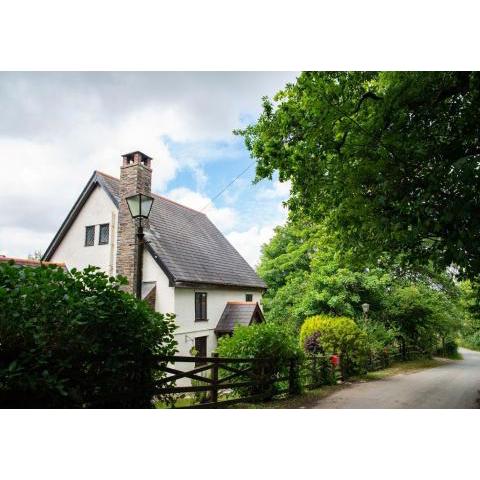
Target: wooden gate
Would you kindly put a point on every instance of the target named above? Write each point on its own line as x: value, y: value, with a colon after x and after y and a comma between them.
x: 222, y: 376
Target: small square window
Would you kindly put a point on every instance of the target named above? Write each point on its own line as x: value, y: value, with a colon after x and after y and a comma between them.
x: 249, y: 297
x: 104, y: 234
x: 90, y: 236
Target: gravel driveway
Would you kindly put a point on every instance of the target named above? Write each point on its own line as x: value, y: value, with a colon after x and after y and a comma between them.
x: 453, y: 385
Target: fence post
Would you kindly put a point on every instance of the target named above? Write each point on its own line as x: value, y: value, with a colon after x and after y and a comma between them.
x: 292, y: 389
x: 343, y: 373
x: 404, y: 350
x: 215, y: 379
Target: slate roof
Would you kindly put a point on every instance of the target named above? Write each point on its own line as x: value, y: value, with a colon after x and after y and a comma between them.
x: 184, y: 242
x: 238, y: 313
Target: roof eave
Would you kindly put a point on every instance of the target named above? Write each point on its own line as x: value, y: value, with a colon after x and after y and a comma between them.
x: 199, y: 284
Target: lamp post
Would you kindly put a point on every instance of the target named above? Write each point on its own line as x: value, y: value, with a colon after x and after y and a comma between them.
x: 365, y: 308
x: 140, y: 206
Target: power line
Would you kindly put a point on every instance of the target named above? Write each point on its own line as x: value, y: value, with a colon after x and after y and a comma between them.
x: 225, y: 188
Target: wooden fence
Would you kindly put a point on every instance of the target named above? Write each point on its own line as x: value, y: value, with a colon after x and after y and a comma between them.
x: 218, y: 377
x: 219, y: 381
x: 384, y: 359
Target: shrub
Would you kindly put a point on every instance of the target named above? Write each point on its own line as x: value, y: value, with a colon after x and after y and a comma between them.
x: 77, y: 340
x: 378, y: 336
x: 263, y: 340
x: 471, y: 341
x: 423, y: 314
x: 448, y: 347
x: 337, y: 335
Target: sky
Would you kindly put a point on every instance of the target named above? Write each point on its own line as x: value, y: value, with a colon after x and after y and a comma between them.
x: 57, y: 128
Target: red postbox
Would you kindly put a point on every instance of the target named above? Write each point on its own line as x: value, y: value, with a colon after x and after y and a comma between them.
x: 335, y: 360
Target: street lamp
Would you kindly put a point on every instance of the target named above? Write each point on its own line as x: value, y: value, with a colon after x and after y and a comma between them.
x: 140, y: 206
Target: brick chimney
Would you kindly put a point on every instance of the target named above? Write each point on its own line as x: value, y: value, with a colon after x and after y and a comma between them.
x: 135, y: 177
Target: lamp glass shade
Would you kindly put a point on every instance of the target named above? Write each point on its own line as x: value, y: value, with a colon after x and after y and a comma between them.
x: 139, y: 205
x: 365, y: 307
x: 145, y: 205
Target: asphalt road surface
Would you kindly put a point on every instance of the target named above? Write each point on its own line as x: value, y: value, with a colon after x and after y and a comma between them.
x: 453, y: 385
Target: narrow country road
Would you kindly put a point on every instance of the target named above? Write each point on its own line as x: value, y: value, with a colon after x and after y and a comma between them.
x: 453, y: 385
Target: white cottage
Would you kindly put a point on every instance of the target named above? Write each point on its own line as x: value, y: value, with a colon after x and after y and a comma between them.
x: 189, y: 268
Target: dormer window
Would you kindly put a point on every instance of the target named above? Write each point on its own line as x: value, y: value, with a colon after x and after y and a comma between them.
x: 90, y: 236
x: 104, y: 233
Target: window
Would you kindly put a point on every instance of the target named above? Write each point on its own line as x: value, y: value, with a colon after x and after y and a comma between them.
x: 249, y: 297
x: 104, y: 234
x: 89, y: 235
x: 201, y: 348
x: 200, y: 306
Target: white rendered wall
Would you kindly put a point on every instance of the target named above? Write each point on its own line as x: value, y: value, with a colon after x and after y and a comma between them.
x: 98, y: 209
x: 165, y: 296
x: 188, y: 329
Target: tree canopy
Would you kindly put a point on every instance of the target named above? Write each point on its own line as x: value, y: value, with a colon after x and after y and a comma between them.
x: 309, y: 274
x: 388, y: 162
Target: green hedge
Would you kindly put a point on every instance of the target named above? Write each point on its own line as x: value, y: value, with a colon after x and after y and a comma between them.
x: 76, y: 340
x: 264, y: 340
x: 339, y: 335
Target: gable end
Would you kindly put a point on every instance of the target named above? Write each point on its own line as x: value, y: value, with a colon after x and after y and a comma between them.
x: 92, y: 183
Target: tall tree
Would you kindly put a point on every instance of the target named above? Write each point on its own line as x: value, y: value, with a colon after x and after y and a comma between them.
x: 308, y: 274
x: 390, y: 161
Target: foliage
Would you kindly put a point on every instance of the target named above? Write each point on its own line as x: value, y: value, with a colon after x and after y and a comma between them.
x: 317, y: 369
x: 76, y: 340
x: 471, y: 341
x: 261, y: 341
x: 337, y: 335
x: 36, y: 255
x: 389, y: 160
x: 423, y: 315
x: 311, y: 343
x: 418, y: 306
x: 307, y: 274
x: 470, y: 299
x: 378, y: 336
x: 201, y: 397
x: 449, y: 348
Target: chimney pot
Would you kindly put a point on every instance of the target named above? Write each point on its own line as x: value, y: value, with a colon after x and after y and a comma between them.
x: 137, y: 158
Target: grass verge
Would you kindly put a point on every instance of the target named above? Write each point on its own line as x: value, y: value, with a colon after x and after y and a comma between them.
x: 403, y: 367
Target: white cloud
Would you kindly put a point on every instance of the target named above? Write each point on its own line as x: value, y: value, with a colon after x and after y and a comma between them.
x: 278, y: 190
x: 140, y: 129
x: 249, y: 242
x: 19, y: 242
x: 265, y: 211
x: 224, y: 218
x: 56, y: 128
x: 41, y: 180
